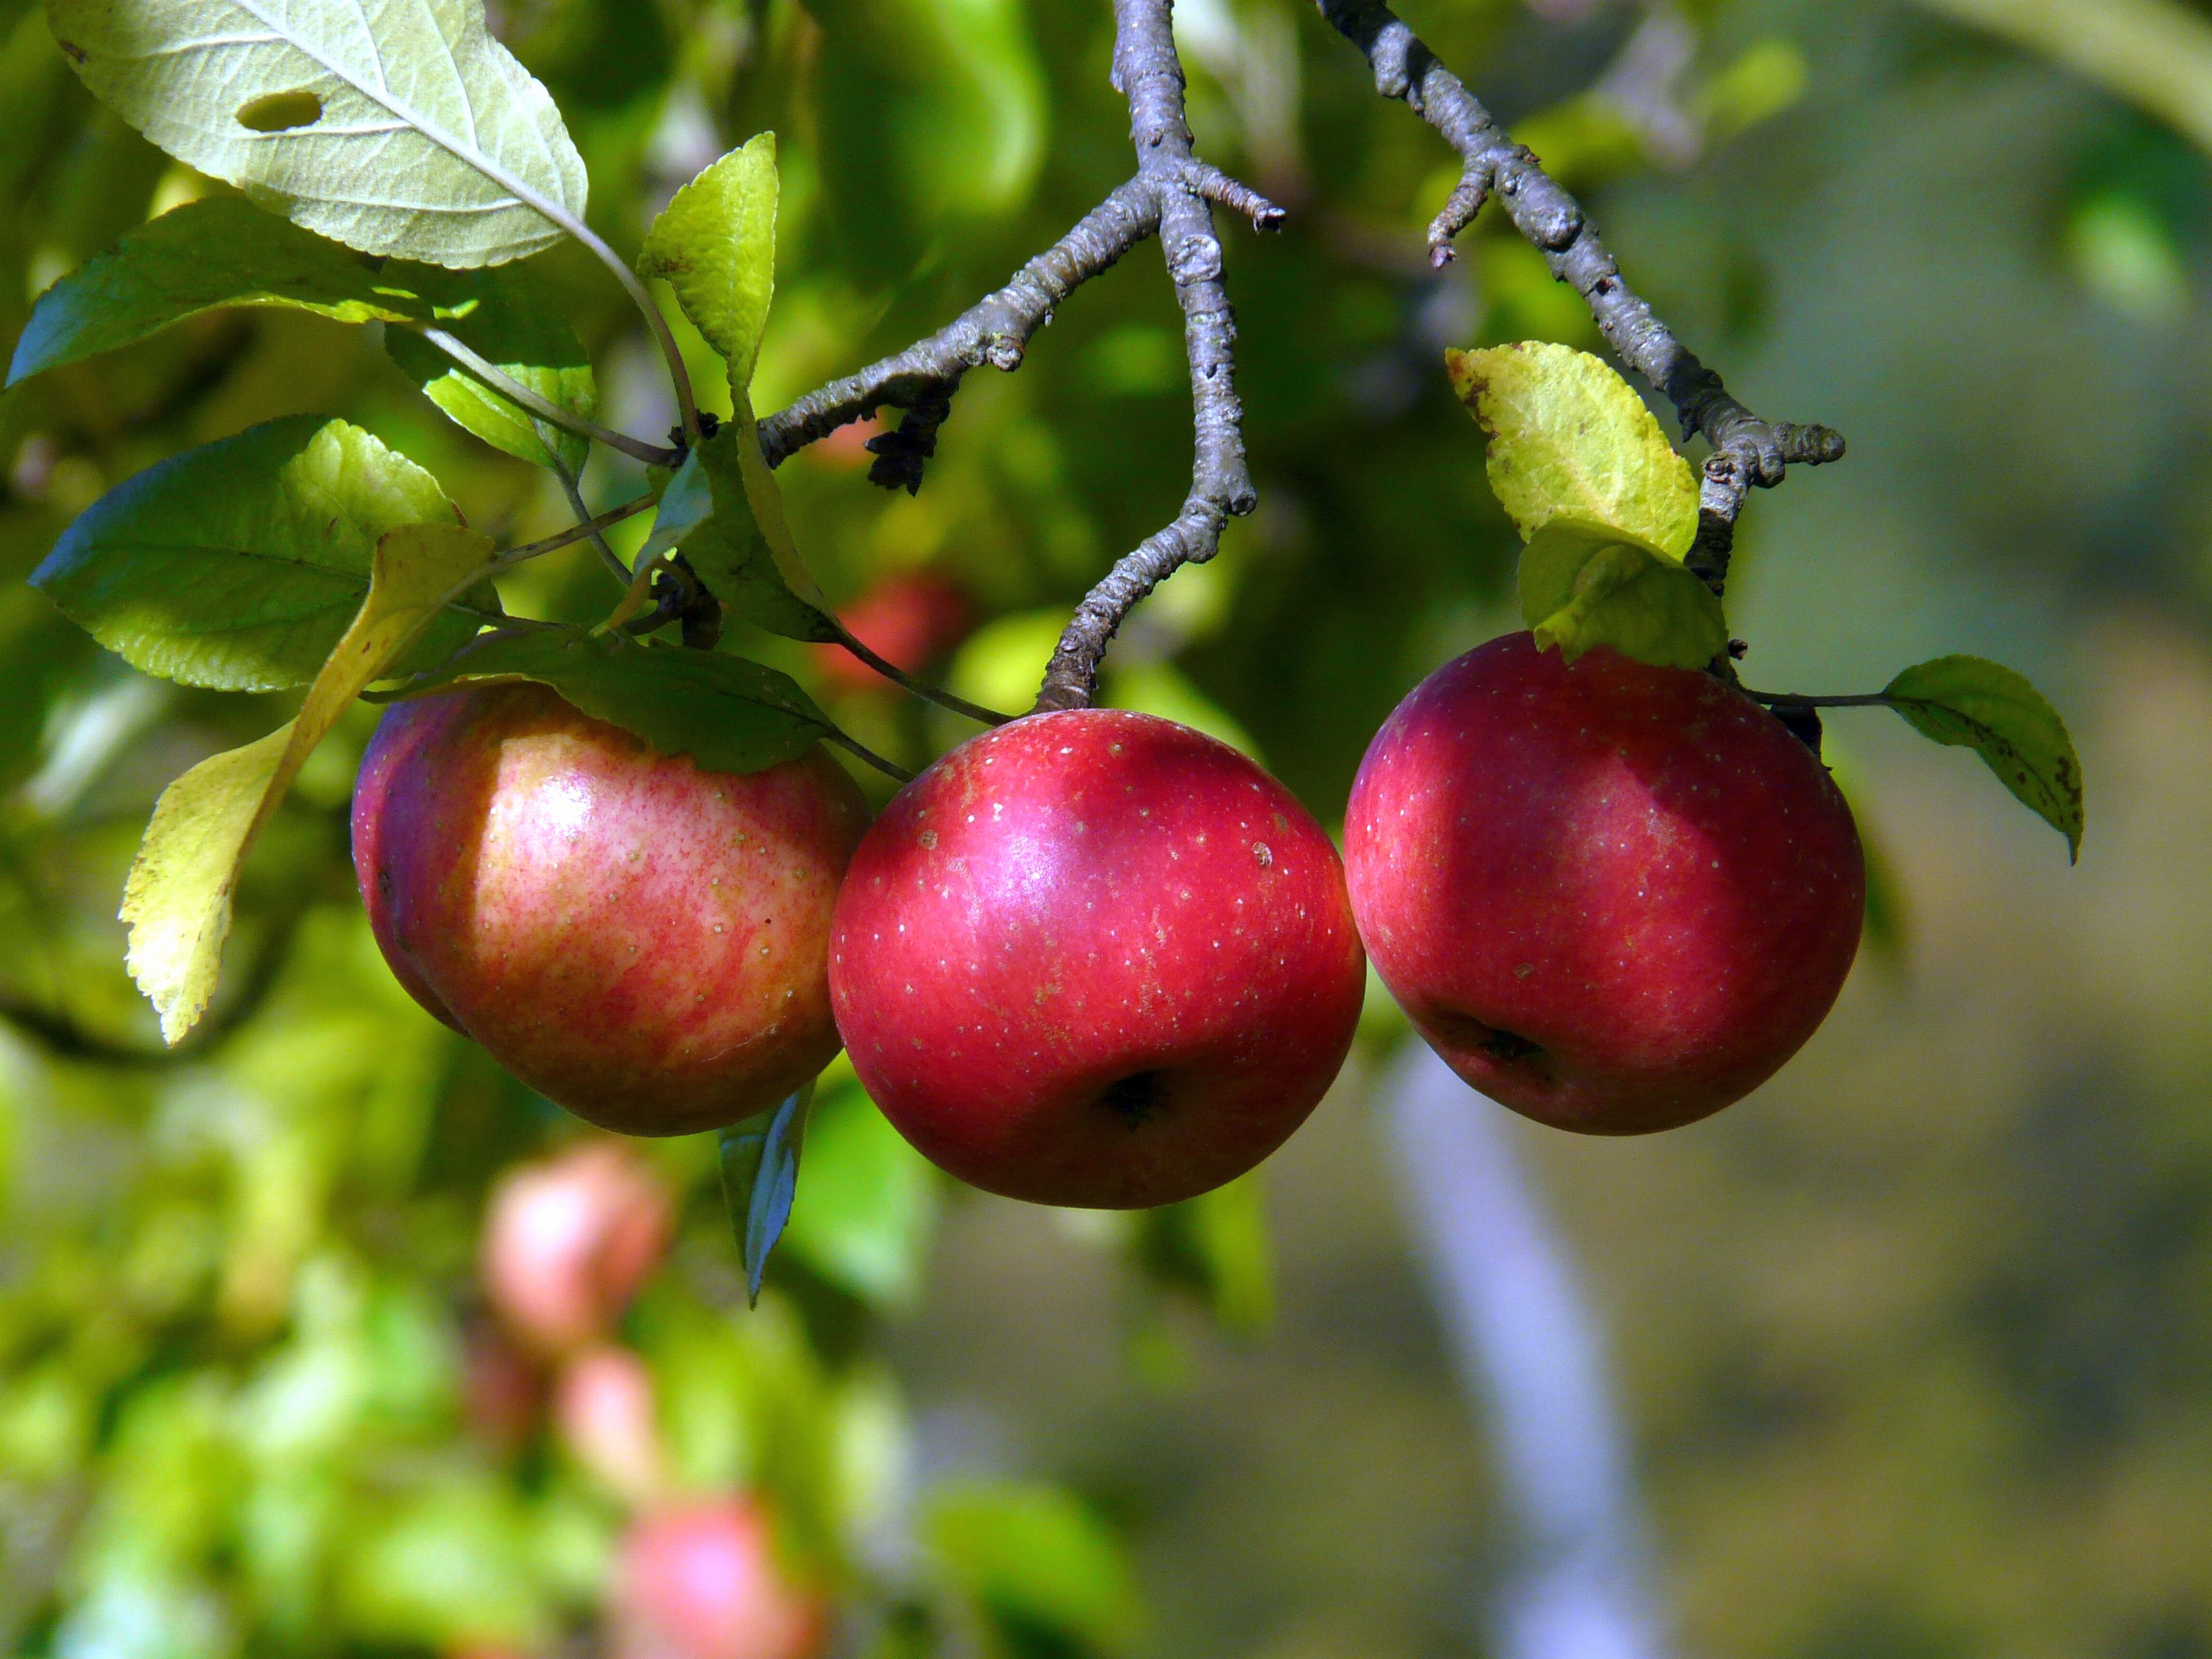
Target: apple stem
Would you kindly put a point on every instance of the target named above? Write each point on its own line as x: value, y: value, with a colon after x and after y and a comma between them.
x: 1799, y: 700
x: 897, y: 676
x: 860, y: 750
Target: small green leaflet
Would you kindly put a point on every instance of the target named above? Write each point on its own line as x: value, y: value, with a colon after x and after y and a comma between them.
x: 728, y: 713
x: 403, y: 128
x: 1033, y: 1561
x: 223, y: 251
x: 1217, y: 1246
x: 760, y: 1177
x: 1569, y: 438
x: 731, y: 545
x: 510, y: 320
x: 1606, y: 506
x: 238, y: 565
x: 1584, y: 585
x: 716, y: 243
x: 177, y: 900
x: 1975, y: 704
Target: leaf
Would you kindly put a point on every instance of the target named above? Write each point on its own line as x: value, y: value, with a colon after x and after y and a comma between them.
x: 1975, y: 704
x: 238, y: 565
x: 221, y: 252
x: 760, y: 1177
x: 1216, y: 1245
x: 864, y: 1220
x: 1585, y: 585
x: 402, y: 128
x: 176, y: 898
x: 729, y: 714
x: 510, y: 320
x: 716, y: 243
x: 1569, y: 438
x: 1038, y: 1563
x: 741, y: 547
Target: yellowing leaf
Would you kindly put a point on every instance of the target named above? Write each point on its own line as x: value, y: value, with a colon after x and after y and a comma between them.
x: 716, y: 243
x: 1972, y: 703
x: 1569, y: 438
x: 1584, y: 585
x: 177, y: 900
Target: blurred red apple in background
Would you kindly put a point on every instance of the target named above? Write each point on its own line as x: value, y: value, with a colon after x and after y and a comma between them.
x: 701, y: 1581
x: 1096, y: 958
x: 603, y: 1410
x: 567, y: 1242
x: 1614, y: 897
x: 641, y: 941
x: 911, y: 619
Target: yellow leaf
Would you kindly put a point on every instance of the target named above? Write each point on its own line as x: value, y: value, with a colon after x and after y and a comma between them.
x: 177, y: 900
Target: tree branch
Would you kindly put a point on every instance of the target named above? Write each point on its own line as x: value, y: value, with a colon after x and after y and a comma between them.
x: 1747, y: 450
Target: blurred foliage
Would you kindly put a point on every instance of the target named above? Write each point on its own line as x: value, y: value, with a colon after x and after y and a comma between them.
x: 1916, y: 1343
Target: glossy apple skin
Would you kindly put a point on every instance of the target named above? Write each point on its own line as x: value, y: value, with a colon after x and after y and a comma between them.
x: 1615, y: 898
x: 699, y: 1581
x: 641, y: 941
x: 1094, y: 958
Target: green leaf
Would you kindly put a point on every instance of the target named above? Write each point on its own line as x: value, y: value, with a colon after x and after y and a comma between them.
x: 733, y: 544
x: 510, y: 318
x: 760, y: 1177
x: 1585, y: 585
x: 1569, y: 438
x: 1983, y: 706
x: 1216, y: 1245
x: 716, y: 243
x: 729, y: 714
x: 239, y: 564
x: 177, y: 900
x: 863, y: 1222
x: 401, y: 129
x: 221, y: 252
x: 1037, y: 1564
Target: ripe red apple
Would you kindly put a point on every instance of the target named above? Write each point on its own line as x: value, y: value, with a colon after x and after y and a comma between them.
x: 701, y: 1581
x: 603, y: 1412
x: 909, y: 619
x: 569, y: 1240
x: 640, y: 940
x: 1614, y: 897
x: 1095, y: 958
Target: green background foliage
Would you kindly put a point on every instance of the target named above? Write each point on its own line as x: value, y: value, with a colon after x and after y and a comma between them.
x: 1916, y: 1346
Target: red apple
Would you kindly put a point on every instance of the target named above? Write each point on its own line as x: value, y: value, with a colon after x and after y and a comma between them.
x: 568, y: 1241
x: 603, y: 1410
x: 640, y: 940
x: 1614, y: 897
x: 1095, y: 958
x: 701, y: 1581
x: 910, y: 620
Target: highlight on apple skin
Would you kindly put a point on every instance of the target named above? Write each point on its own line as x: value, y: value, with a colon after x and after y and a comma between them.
x: 1615, y: 898
x: 643, y: 941
x: 1095, y: 958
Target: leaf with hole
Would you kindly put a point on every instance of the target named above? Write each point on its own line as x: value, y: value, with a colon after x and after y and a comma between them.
x: 176, y: 899
x: 1585, y: 584
x: 715, y: 245
x: 403, y: 128
x: 760, y: 1177
x: 728, y: 714
x: 1569, y: 438
x: 238, y: 565
x: 510, y: 318
x: 1973, y: 703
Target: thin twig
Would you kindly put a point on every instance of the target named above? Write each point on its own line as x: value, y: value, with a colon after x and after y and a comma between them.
x: 853, y: 746
x: 574, y: 490
x: 1796, y: 700
x: 1747, y: 452
x: 680, y: 376
x: 544, y: 408
x: 891, y: 671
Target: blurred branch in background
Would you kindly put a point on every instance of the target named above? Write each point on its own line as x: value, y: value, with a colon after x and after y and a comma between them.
x: 2155, y: 53
x: 1526, y: 1343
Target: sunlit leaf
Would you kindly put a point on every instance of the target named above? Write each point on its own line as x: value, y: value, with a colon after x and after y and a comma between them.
x: 728, y: 714
x: 240, y: 564
x: 741, y: 548
x: 509, y: 318
x: 1585, y: 585
x: 177, y: 901
x: 403, y: 128
x: 1569, y: 438
x: 1987, y: 707
x: 716, y: 243
x: 760, y: 1177
x: 1216, y: 1245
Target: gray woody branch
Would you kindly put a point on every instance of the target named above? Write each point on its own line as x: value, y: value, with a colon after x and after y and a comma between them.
x: 1747, y: 450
